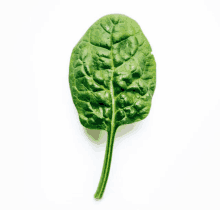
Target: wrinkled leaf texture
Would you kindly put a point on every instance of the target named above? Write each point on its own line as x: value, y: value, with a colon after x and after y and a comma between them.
x: 112, y: 74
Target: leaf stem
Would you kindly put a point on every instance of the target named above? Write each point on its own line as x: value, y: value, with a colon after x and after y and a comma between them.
x: 106, y: 165
x: 111, y: 134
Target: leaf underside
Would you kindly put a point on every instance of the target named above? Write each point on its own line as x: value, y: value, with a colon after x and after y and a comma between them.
x: 112, y: 74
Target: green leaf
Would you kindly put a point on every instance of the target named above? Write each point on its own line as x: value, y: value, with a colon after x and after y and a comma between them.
x: 112, y: 76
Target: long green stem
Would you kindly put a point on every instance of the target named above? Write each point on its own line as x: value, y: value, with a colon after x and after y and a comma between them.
x: 106, y: 165
x: 111, y: 133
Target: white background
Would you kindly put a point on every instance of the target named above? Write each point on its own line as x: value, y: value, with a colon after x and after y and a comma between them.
x: 170, y: 160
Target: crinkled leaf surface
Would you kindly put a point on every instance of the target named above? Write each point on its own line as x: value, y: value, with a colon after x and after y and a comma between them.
x: 112, y: 73
x: 112, y: 76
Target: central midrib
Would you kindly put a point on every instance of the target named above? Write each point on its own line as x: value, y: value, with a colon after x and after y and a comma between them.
x: 112, y: 87
x: 111, y: 132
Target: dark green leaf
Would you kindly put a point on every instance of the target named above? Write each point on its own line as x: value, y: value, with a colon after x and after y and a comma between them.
x: 112, y: 78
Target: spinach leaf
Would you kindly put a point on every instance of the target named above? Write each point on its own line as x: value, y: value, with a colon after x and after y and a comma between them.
x: 112, y: 76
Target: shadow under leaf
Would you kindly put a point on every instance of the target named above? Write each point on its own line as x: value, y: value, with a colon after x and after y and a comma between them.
x: 100, y: 136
